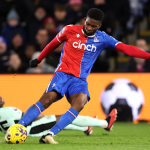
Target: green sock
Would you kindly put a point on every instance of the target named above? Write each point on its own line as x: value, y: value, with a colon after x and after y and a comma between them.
x: 85, y: 121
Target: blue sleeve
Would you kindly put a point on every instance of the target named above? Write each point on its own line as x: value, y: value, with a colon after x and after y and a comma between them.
x: 110, y: 42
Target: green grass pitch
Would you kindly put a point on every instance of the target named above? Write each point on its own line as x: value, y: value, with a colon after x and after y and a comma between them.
x: 125, y: 136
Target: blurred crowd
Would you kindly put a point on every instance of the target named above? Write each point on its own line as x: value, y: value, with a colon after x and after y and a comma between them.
x: 27, y: 26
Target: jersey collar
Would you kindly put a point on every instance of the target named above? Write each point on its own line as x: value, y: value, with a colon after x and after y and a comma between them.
x: 86, y: 35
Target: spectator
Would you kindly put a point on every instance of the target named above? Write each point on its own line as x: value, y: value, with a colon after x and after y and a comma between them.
x: 102, y: 63
x: 108, y: 23
x: 53, y: 58
x: 137, y: 13
x: 42, y: 67
x: 81, y: 21
x: 121, y: 9
x: 60, y: 14
x: 17, y: 44
x: 12, y: 26
x: 4, y: 55
x: 139, y: 64
x: 142, y: 44
x: 108, y: 26
x: 50, y: 26
x: 29, y: 51
x: 15, y: 64
x: 6, y: 6
x: 42, y: 39
x: 76, y: 10
x: 35, y: 24
x: 31, y: 5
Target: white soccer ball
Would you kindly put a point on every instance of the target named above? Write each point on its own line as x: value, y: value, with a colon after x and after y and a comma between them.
x: 125, y: 96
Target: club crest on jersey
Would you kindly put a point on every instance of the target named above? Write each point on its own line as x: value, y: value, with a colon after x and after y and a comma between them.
x: 88, y: 47
x: 96, y: 39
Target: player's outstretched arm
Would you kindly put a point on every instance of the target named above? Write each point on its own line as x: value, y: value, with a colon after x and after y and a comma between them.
x: 132, y: 51
x: 48, y: 49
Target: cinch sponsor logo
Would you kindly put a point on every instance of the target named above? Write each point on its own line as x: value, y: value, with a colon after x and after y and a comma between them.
x: 88, y: 47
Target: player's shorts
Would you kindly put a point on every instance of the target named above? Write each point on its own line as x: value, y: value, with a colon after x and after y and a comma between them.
x: 67, y: 84
x: 41, y: 126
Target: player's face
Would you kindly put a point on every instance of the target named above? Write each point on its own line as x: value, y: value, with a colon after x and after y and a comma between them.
x: 90, y: 26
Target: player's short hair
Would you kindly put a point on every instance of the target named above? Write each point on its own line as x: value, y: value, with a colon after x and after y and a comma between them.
x: 95, y: 14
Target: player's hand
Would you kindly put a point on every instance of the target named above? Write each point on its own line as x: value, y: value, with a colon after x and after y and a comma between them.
x: 34, y: 63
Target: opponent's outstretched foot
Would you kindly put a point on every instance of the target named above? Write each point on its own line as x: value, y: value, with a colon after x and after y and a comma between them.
x: 111, y: 119
x: 48, y: 138
x: 89, y: 131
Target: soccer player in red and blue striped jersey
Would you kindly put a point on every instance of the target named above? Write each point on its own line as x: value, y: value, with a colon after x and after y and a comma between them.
x: 82, y: 45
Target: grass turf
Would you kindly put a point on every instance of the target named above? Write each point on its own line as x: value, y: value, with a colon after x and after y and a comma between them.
x: 125, y: 136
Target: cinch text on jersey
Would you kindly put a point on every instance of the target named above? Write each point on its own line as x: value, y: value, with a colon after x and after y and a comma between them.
x: 88, y: 47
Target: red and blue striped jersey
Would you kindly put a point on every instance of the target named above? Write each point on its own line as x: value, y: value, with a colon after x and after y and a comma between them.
x: 80, y: 51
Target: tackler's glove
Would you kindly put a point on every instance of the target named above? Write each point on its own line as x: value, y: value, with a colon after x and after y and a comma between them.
x: 34, y: 63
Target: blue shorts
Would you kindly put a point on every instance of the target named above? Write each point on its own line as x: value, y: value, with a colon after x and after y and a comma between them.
x: 67, y: 84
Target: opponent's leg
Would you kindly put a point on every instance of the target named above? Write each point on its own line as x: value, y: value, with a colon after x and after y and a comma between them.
x: 111, y: 119
x: 84, y: 121
x: 33, y: 112
x: 77, y: 103
x: 89, y: 121
x: 71, y: 126
x: 75, y: 127
x: 41, y: 126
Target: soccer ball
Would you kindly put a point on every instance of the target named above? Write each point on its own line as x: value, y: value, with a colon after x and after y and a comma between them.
x: 125, y: 96
x: 16, y: 134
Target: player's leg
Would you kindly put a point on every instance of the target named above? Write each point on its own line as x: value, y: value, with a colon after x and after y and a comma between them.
x: 78, y: 95
x: 71, y: 126
x: 34, y: 111
x: 75, y: 127
x: 77, y: 104
x: 52, y: 93
x: 84, y: 121
x: 107, y: 124
x: 42, y: 126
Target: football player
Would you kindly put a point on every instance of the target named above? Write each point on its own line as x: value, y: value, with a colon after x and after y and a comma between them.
x: 82, y: 46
